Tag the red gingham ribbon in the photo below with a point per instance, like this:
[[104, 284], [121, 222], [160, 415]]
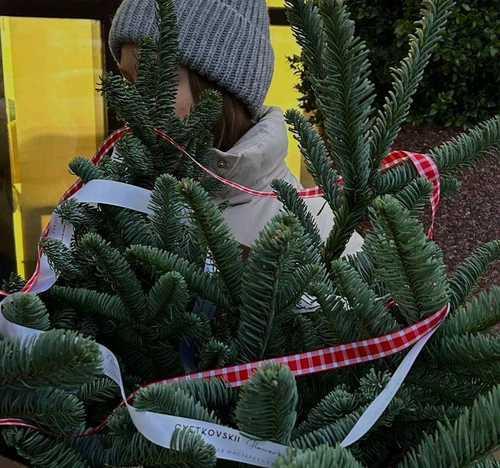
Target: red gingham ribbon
[[312, 362], [321, 360], [426, 168]]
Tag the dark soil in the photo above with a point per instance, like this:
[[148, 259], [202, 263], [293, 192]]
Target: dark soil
[[472, 216]]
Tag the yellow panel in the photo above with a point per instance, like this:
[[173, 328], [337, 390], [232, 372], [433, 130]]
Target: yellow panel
[[51, 67], [283, 92]]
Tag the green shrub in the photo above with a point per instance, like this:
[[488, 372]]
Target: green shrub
[[461, 84]]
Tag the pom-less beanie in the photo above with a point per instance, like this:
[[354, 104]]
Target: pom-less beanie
[[225, 41]]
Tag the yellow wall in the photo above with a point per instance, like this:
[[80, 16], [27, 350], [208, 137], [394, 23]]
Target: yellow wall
[[283, 92], [50, 67], [276, 3]]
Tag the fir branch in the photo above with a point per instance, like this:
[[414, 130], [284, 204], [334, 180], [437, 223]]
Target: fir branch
[[159, 262], [371, 384], [116, 272], [469, 440], [415, 196], [192, 244], [331, 434], [479, 315], [297, 284], [47, 452], [133, 227], [129, 447], [83, 217], [407, 77], [13, 283], [298, 332], [337, 404], [330, 304], [125, 100], [204, 117], [443, 385], [288, 195], [99, 390], [187, 450], [449, 186], [267, 405], [167, 64], [424, 413], [466, 149], [211, 394], [28, 310], [408, 264], [469, 273], [137, 159], [61, 358], [58, 411], [490, 461], [361, 262], [187, 325], [450, 158], [474, 355], [365, 317], [215, 355], [148, 73], [167, 399], [168, 212], [274, 258], [307, 27], [346, 222], [224, 249], [64, 318], [168, 295], [61, 258], [316, 157], [86, 170], [92, 302], [166, 357], [184, 441], [321, 457], [345, 98]]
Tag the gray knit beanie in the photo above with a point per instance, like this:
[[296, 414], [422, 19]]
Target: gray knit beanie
[[226, 41]]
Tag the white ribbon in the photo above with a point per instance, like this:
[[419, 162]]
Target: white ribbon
[[229, 444]]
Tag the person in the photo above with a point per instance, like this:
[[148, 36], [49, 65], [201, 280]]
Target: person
[[225, 45]]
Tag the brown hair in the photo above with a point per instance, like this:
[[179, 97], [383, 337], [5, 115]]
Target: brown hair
[[235, 120]]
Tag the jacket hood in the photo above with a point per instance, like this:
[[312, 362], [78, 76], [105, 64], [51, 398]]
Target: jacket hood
[[256, 159], [267, 137]]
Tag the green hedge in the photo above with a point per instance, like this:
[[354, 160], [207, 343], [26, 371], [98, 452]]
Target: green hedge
[[462, 83]]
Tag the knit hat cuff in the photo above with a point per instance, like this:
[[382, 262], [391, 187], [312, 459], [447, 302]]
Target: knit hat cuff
[[225, 41]]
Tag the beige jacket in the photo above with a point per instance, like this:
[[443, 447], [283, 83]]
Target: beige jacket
[[255, 161]]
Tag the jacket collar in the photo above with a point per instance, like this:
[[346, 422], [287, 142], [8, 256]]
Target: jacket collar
[[267, 138]]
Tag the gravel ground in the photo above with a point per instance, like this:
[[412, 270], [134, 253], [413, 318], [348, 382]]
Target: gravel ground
[[472, 216]]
